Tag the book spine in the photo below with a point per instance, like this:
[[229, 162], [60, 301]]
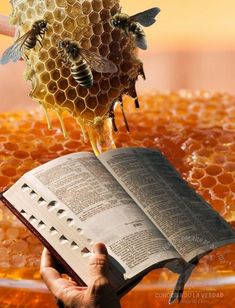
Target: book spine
[[68, 270]]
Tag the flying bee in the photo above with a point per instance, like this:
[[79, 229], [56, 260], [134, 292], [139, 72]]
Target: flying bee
[[28, 40], [81, 61], [131, 24]]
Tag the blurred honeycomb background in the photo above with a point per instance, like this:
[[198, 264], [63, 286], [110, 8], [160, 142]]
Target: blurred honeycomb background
[[88, 23], [196, 133]]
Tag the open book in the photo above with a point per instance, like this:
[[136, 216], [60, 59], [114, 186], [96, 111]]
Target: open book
[[132, 200]]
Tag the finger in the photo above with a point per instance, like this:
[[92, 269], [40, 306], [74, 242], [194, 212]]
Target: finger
[[46, 259], [99, 261], [48, 272], [5, 27]]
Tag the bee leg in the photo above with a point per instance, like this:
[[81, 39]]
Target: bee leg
[[40, 44]]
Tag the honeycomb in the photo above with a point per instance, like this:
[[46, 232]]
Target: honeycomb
[[196, 132], [88, 23]]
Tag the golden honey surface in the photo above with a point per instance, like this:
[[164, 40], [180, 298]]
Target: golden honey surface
[[89, 24], [196, 131]]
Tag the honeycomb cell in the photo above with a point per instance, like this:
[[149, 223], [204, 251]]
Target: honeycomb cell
[[50, 5], [96, 5], [66, 35], [114, 10], [65, 72], [105, 14], [226, 178], [115, 59], [80, 105], [72, 81], [107, 27], [104, 50], [82, 92], [208, 182], [55, 39], [74, 10], [104, 85], [50, 65], [82, 21], [8, 170], [45, 77], [39, 9], [95, 41], [92, 102], [46, 44], [61, 3], [59, 14], [97, 76], [30, 14], [10, 146], [116, 36], [113, 92], [108, 4], [57, 27], [20, 154], [52, 87], [68, 104], [85, 43], [88, 113], [115, 82], [102, 98], [221, 191], [94, 17], [95, 89], [55, 74], [87, 32], [53, 52], [97, 29], [126, 67], [50, 98], [69, 24], [71, 93], [60, 96], [43, 56], [86, 7], [105, 38], [63, 84], [72, 2]]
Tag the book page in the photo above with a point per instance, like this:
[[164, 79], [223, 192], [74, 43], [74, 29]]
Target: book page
[[187, 221], [87, 193]]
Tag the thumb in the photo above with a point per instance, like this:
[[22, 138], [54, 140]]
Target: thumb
[[5, 27], [99, 261]]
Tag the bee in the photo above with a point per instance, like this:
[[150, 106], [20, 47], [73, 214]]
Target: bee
[[28, 40], [81, 61], [130, 24]]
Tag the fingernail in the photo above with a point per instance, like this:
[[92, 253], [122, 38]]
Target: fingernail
[[100, 249]]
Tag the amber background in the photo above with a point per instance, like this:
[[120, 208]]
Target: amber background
[[191, 46]]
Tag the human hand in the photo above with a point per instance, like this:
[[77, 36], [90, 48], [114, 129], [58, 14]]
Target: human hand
[[5, 27], [98, 293]]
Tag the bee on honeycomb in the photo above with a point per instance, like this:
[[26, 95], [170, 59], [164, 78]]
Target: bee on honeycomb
[[88, 23]]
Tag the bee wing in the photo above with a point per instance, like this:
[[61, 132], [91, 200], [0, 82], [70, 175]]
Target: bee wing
[[97, 62], [141, 42], [146, 18], [14, 52]]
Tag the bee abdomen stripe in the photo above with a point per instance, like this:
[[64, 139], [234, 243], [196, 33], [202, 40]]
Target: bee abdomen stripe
[[82, 78]]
